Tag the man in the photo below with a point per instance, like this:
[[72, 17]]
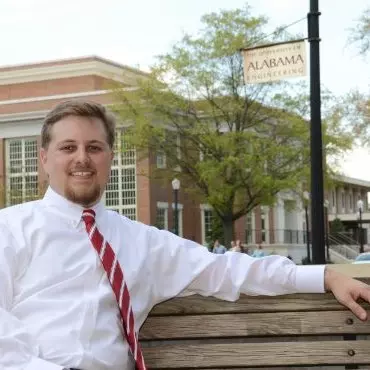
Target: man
[[77, 280]]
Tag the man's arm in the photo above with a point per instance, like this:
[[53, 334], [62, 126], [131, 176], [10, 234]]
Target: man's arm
[[17, 349], [182, 267]]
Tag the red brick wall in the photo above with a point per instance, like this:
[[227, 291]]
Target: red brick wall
[[239, 228], [258, 224], [161, 191], [52, 87], [272, 225], [143, 191], [191, 218]]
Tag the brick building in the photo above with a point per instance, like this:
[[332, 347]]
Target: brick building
[[27, 92]]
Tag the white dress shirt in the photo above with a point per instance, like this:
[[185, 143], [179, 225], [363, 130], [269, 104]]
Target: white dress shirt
[[57, 308]]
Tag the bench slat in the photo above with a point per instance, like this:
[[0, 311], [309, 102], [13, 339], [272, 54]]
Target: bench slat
[[258, 354], [197, 305], [262, 324]]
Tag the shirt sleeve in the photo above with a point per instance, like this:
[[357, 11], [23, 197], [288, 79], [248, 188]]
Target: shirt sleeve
[[180, 266], [17, 349]]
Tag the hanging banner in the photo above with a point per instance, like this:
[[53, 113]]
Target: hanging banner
[[274, 62]]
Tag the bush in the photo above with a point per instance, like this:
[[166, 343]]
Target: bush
[[305, 261]]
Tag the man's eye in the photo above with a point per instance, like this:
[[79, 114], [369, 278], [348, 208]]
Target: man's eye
[[67, 148], [94, 148]]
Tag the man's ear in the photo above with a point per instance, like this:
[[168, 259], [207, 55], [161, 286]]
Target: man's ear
[[43, 157]]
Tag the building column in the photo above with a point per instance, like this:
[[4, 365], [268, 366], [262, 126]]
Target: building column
[[301, 218], [279, 220], [2, 174]]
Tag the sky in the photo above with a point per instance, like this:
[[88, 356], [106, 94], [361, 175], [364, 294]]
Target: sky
[[134, 32]]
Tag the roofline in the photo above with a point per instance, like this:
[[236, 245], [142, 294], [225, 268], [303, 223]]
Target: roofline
[[352, 181], [69, 68], [55, 62]]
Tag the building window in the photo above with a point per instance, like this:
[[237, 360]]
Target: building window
[[263, 228], [161, 220], [120, 194], [207, 219], [161, 159], [21, 170], [264, 224], [351, 202]]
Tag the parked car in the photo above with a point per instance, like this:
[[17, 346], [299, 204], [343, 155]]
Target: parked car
[[363, 258]]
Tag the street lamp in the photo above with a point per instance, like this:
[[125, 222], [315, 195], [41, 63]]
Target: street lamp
[[306, 196], [326, 206], [176, 188], [360, 206]]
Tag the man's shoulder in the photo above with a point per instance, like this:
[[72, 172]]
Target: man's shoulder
[[12, 216], [18, 210]]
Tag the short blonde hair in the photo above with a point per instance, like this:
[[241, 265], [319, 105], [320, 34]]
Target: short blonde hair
[[78, 108]]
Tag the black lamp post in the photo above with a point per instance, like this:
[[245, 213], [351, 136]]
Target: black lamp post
[[360, 205], [317, 177], [306, 196], [176, 188], [326, 206]]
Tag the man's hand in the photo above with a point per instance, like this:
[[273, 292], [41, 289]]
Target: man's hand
[[347, 291]]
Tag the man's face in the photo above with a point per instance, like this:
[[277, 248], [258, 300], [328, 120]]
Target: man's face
[[78, 159]]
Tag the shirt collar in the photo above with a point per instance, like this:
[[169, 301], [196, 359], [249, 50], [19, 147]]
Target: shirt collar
[[68, 209]]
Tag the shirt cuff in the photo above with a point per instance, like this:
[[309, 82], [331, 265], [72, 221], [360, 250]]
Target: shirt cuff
[[39, 364], [310, 279]]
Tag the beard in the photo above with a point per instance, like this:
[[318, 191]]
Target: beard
[[85, 196]]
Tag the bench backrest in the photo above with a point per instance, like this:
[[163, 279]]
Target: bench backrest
[[254, 332]]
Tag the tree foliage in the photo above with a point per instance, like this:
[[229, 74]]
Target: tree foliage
[[355, 108], [360, 34], [239, 144]]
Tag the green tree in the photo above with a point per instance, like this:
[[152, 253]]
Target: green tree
[[239, 144], [360, 34], [355, 108], [216, 232], [337, 226], [356, 104]]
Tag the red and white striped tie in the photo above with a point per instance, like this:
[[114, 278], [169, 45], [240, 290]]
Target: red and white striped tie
[[117, 281]]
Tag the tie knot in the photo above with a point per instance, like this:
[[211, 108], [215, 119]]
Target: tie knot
[[88, 215]]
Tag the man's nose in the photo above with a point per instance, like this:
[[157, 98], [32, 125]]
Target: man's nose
[[82, 155]]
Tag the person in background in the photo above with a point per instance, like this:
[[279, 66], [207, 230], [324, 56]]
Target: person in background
[[218, 248], [259, 252], [237, 247]]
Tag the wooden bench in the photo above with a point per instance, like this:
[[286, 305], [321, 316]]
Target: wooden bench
[[292, 331]]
